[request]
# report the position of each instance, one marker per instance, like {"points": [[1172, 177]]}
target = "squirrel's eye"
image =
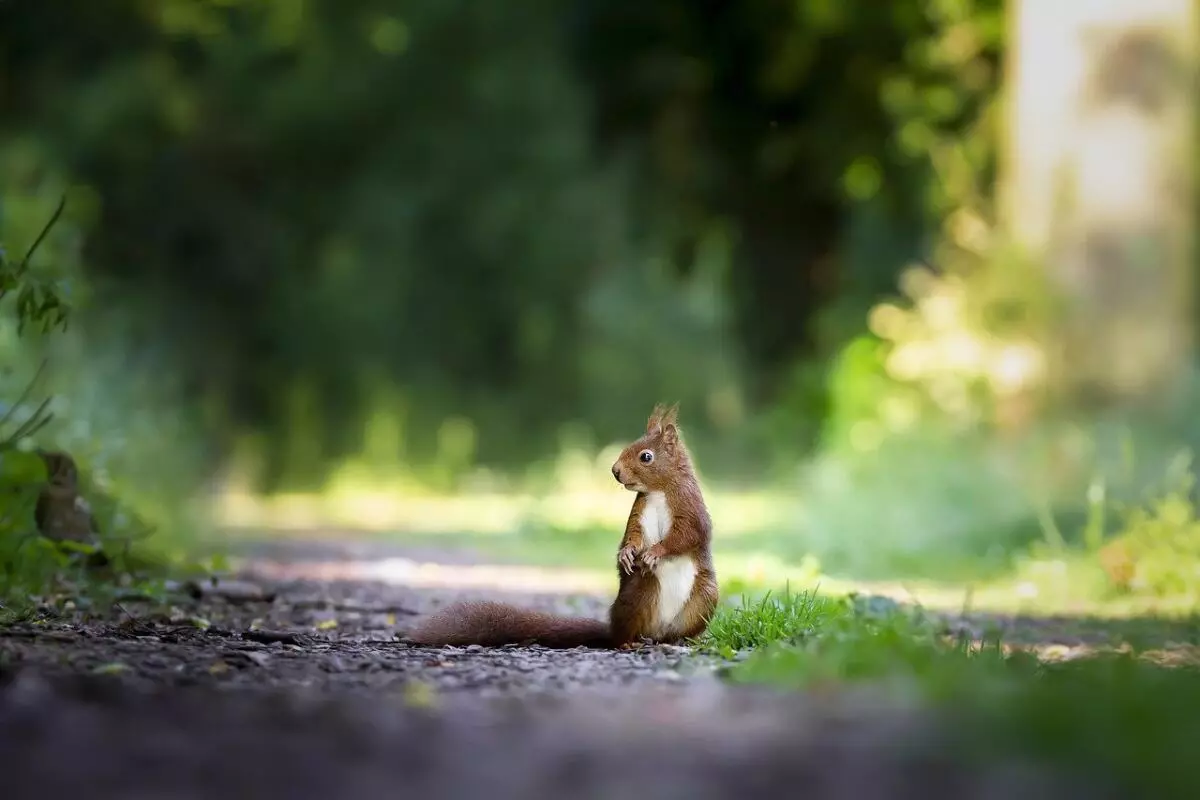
{"points": [[646, 456]]}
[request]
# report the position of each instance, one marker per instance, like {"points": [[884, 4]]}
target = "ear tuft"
{"points": [[661, 416], [654, 423], [670, 414]]}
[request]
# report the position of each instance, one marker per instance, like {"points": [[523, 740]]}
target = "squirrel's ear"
{"points": [[670, 415], [654, 423], [661, 416], [670, 436]]}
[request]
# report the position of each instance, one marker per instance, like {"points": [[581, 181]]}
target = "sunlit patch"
{"points": [[865, 436], [1027, 590], [371, 508], [417, 574]]}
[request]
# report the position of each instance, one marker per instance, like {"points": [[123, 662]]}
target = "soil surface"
{"points": [[294, 681]]}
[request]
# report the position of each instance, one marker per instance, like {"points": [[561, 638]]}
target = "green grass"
{"points": [[1114, 714], [775, 617]]}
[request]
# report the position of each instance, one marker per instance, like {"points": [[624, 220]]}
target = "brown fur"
{"points": [[57, 512], [670, 472], [494, 624], [632, 616]]}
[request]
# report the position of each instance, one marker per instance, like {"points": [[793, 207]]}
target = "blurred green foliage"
{"points": [[63, 393], [318, 217], [815, 127]]}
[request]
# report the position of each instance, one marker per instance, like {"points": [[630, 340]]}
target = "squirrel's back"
{"points": [[492, 624]]}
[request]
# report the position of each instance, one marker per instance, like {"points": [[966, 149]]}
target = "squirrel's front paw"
{"points": [[625, 557], [650, 557]]}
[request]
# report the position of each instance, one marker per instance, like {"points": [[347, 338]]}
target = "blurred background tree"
{"points": [[309, 202], [1099, 186], [465, 237]]}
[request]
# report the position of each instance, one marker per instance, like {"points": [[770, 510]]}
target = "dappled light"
{"points": [[547, 400], [407, 572]]}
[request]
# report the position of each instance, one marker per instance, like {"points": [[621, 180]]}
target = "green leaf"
{"points": [[77, 547], [21, 468], [111, 668]]}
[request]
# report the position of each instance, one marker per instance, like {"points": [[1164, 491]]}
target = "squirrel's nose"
{"points": [[617, 473]]}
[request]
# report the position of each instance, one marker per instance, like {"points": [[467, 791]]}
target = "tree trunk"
{"points": [[1098, 186]]}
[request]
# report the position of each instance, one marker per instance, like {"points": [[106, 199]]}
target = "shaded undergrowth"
{"points": [[1116, 710]]}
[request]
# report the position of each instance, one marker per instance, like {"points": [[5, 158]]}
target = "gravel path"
{"points": [[285, 685], [335, 636]]}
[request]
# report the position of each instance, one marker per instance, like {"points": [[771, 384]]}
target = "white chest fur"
{"points": [[675, 575], [655, 519]]}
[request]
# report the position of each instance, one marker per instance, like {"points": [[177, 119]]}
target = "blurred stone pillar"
{"points": [[1098, 184]]}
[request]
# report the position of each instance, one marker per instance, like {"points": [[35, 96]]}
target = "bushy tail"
{"points": [[494, 624]]}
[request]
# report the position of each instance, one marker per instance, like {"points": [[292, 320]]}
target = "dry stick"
{"points": [[968, 597], [271, 637]]}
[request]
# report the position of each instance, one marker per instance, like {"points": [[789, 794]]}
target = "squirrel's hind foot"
{"points": [[638, 644]]}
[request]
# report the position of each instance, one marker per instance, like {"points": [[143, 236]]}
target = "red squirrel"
{"points": [[668, 588]]}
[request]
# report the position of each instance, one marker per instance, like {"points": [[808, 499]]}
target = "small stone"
{"points": [[257, 657], [231, 590]]}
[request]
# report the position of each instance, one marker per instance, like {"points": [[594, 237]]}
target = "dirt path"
{"points": [[295, 683]]}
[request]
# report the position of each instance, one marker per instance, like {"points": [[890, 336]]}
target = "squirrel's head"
{"points": [[60, 468], [657, 458]]}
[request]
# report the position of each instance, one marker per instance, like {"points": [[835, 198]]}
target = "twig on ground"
{"points": [[271, 637]]}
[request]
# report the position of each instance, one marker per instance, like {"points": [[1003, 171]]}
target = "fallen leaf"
{"points": [[111, 668], [419, 694], [327, 624], [218, 668]]}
